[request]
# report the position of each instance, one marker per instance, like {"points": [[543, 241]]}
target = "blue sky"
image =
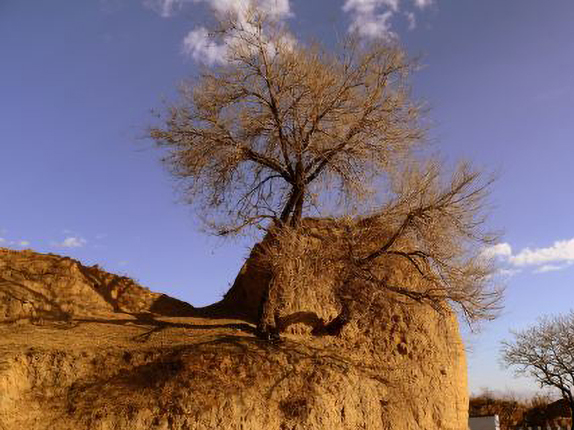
{"points": [[78, 81]]}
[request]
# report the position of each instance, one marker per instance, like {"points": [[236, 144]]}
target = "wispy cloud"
{"points": [[421, 4], [198, 43], [558, 256], [561, 251], [373, 18], [507, 273], [165, 8], [411, 19], [71, 242], [276, 8], [548, 268], [369, 18], [17, 243], [498, 250], [203, 48]]}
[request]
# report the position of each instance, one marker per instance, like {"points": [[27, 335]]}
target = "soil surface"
{"points": [[84, 349]]}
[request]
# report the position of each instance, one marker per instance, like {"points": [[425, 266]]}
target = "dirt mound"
{"points": [[103, 359], [37, 286]]}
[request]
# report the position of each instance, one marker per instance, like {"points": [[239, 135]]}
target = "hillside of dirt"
{"points": [[37, 287], [84, 349]]}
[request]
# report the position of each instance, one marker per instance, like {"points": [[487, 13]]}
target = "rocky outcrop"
{"points": [[97, 354]]}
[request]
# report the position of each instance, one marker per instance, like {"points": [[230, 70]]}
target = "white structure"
{"points": [[484, 423]]}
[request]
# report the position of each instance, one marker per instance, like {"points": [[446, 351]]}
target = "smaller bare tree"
{"points": [[546, 353]]}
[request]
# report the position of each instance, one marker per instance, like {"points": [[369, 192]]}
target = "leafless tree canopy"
{"points": [[546, 353], [262, 136]]}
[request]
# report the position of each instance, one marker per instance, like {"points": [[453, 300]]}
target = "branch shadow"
{"points": [[33, 304], [221, 366], [149, 320]]}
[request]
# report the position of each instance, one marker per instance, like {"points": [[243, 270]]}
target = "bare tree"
{"points": [[546, 353], [260, 137], [283, 130], [509, 407]]}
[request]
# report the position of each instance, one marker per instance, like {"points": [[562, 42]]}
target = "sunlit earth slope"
{"points": [[84, 349]]}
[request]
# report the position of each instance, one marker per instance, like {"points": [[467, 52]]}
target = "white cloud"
{"points": [[202, 47], [369, 18], [20, 243], [72, 242], [548, 268], [499, 250], [412, 20], [369, 6], [556, 257], [374, 25], [278, 9], [373, 18], [165, 8], [421, 4], [507, 273], [560, 252]]}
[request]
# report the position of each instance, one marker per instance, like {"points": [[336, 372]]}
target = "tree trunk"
{"points": [[571, 404], [293, 210], [299, 191], [267, 325], [288, 208], [298, 210]]}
